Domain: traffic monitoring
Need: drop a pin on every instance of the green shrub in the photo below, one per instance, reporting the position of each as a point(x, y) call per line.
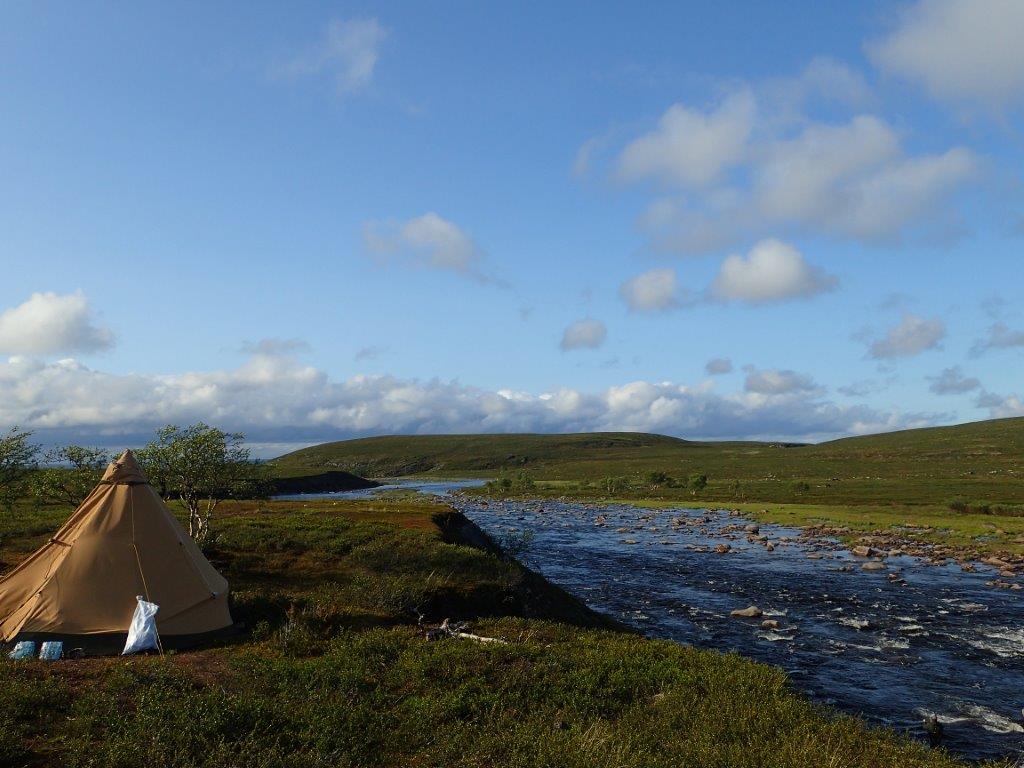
point(658, 479)
point(520, 482)
point(986, 508)
point(614, 484)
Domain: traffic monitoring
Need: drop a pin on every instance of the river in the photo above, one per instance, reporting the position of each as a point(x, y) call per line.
point(893, 645)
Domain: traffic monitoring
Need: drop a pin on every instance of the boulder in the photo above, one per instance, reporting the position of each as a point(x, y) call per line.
point(995, 562)
point(752, 528)
point(722, 548)
point(751, 612)
point(864, 551)
point(873, 565)
point(769, 624)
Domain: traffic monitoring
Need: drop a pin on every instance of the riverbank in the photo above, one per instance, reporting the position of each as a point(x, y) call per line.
point(333, 481)
point(879, 633)
point(934, 535)
point(931, 532)
point(337, 668)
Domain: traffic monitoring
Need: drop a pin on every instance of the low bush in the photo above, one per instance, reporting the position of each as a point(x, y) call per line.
point(986, 508)
point(520, 482)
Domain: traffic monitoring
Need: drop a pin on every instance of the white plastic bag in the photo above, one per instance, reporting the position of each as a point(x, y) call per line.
point(142, 633)
point(52, 650)
point(25, 649)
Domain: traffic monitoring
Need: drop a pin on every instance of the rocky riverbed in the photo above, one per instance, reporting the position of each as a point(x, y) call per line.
point(886, 627)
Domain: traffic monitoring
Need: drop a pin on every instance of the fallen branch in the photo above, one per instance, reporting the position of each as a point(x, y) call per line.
point(447, 629)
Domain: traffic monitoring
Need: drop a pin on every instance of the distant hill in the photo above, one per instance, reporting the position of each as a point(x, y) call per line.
point(980, 460)
point(397, 455)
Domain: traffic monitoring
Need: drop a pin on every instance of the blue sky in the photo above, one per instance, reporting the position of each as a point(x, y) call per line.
point(332, 219)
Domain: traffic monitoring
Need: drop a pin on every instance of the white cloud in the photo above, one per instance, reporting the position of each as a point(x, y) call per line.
point(350, 52)
point(275, 399)
point(951, 381)
point(853, 179)
point(718, 366)
point(778, 382)
point(750, 169)
point(584, 159)
point(653, 291)
point(50, 323)
point(369, 353)
point(771, 271)
point(964, 52)
point(432, 241)
point(689, 147)
point(1000, 336)
point(584, 334)
point(865, 387)
point(1001, 406)
point(913, 335)
point(828, 79)
point(275, 347)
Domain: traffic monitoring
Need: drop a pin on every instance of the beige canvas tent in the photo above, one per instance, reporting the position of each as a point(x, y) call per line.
point(121, 542)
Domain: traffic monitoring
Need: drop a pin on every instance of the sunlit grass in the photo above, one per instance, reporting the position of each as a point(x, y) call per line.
point(333, 670)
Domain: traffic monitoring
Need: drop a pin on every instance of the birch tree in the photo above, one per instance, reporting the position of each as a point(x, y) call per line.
point(69, 474)
point(201, 466)
point(17, 460)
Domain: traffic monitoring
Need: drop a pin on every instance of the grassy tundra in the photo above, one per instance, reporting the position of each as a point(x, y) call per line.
point(335, 670)
point(983, 461)
point(961, 484)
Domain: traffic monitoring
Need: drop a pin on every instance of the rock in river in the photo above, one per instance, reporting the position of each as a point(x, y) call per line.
point(753, 612)
point(722, 548)
point(873, 565)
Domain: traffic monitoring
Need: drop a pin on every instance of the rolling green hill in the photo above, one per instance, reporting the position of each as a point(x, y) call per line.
point(977, 461)
point(477, 454)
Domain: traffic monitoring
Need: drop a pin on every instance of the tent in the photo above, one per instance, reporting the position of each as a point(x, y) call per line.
point(121, 542)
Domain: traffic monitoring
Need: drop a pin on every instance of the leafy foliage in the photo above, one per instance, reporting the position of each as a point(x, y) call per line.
point(201, 466)
point(17, 460)
point(697, 483)
point(69, 474)
point(614, 484)
point(659, 479)
point(986, 508)
point(505, 484)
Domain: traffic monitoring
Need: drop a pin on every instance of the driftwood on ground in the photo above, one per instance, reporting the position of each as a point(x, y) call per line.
point(458, 629)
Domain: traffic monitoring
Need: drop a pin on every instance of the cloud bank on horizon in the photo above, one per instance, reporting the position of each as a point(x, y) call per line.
point(275, 398)
point(279, 400)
